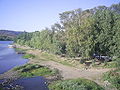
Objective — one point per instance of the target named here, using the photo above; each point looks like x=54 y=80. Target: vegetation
x=80 y=33
x=5 y=38
x=7 y=35
x=113 y=77
x=27 y=56
x=75 y=84
x=20 y=50
x=30 y=70
x=52 y=57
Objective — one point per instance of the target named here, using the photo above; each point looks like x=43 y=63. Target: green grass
x=27 y=56
x=20 y=50
x=44 y=56
x=52 y=57
x=112 y=64
x=113 y=77
x=75 y=84
x=30 y=70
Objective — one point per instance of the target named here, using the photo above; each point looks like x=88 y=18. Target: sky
x=35 y=15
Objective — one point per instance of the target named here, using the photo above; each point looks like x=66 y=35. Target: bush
x=75 y=84
x=113 y=77
x=112 y=64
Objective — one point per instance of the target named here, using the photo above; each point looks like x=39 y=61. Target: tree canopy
x=80 y=33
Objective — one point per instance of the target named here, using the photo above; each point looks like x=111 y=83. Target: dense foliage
x=75 y=84
x=80 y=33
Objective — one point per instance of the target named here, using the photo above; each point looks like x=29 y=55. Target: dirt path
x=68 y=72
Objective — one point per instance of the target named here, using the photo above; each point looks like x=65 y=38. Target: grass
x=30 y=70
x=52 y=57
x=112 y=64
x=75 y=84
x=20 y=50
x=28 y=56
x=44 y=56
x=113 y=77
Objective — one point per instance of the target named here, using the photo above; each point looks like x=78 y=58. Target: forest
x=80 y=33
x=8 y=35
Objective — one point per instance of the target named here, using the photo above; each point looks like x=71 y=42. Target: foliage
x=5 y=38
x=52 y=57
x=111 y=64
x=80 y=33
x=113 y=77
x=20 y=50
x=30 y=70
x=27 y=56
x=75 y=84
x=7 y=35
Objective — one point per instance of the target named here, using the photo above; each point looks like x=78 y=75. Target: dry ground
x=69 y=72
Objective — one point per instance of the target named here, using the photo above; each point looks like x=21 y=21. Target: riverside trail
x=68 y=72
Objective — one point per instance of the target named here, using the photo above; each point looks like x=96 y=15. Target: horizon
x=35 y=15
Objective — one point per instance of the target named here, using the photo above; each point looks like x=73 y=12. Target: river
x=9 y=59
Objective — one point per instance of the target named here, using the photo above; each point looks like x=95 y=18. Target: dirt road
x=68 y=72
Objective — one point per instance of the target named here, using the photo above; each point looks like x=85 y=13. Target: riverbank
x=8 y=78
x=68 y=69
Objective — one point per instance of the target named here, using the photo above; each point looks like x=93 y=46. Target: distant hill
x=8 y=34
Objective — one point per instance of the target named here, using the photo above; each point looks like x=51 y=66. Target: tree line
x=8 y=35
x=80 y=33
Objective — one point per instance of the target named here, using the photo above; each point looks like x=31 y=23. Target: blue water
x=8 y=57
x=34 y=83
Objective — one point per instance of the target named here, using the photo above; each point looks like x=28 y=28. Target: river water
x=9 y=59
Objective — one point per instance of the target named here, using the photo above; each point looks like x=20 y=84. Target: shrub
x=75 y=84
x=112 y=64
x=113 y=77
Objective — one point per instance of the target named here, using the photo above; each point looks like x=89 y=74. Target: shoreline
x=8 y=77
x=65 y=71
